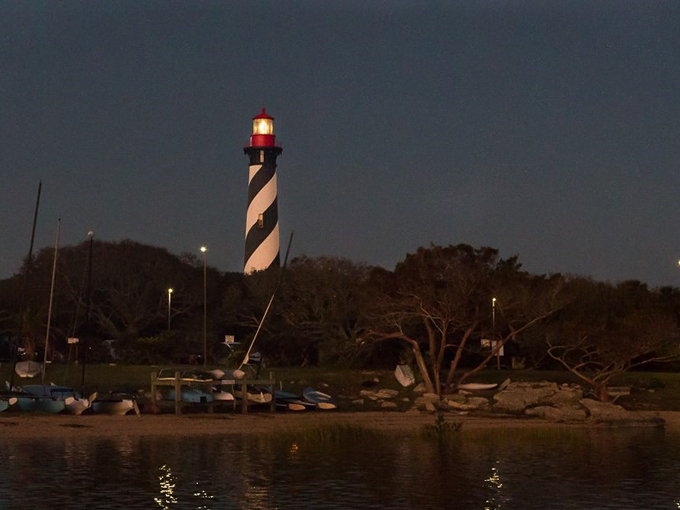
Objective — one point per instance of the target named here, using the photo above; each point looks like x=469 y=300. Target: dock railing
x=177 y=383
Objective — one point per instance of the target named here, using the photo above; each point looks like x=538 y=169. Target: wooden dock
x=177 y=383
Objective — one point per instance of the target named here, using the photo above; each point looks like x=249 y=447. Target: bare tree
x=437 y=302
x=609 y=330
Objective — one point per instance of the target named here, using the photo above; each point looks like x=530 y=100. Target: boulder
x=573 y=413
x=517 y=397
x=565 y=395
x=388 y=405
x=420 y=388
x=606 y=413
x=461 y=397
x=478 y=402
x=431 y=397
x=372 y=395
x=387 y=393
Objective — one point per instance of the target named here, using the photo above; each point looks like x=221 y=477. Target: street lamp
x=169 y=306
x=493 y=333
x=205 y=305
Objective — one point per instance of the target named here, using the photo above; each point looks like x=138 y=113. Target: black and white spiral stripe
x=262 y=219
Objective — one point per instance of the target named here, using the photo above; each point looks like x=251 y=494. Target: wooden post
x=178 y=394
x=244 y=398
x=154 y=398
x=272 y=406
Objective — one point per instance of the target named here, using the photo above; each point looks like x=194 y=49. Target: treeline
x=448 y=311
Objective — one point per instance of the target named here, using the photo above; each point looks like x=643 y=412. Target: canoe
x=255 y=395
x=320 y=399
x=27 y=368
x=117 y=406
x=477 y=386
x=7 y=402
x=49 y=405
x=191 y=396
x=292 y=402
x=73 y=402
x=221 y=393
x=404 y=375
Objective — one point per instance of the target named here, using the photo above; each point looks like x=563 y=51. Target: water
x=545 y=469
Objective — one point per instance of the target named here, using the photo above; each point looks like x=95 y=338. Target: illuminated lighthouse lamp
x=263 y=131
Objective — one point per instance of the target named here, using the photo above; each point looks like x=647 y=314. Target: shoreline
x=27 y=426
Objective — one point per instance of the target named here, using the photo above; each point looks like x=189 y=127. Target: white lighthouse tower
x=262 y=217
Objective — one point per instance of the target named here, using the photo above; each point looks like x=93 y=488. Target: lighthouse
x=262 y=217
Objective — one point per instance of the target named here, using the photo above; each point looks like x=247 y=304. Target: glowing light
x=166 y=480
x=204 y=249
x=170 y=291
x=263 y=127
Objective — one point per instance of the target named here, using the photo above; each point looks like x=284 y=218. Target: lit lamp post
x=169 y=306
x=493 y=333
x=205 y=305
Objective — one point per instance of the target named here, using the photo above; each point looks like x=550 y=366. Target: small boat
x=191 y=396
x=51 y=405
x=221 y=393
x=404 y=375
x=74 y=403
x=477 y=386
x=255 y=395
x=228 y=374
x=27 y=368
x=113 y=405
x=291 y=402
x=6 y=403
x=320 y=399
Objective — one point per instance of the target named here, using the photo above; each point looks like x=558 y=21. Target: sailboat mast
x=24 y=286
x=49 y=309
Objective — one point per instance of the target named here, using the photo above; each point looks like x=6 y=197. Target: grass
x=331 y=433
x=650 y=390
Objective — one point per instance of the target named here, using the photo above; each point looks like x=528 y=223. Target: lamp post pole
x=205 y=305
x=493 y=333
x=169 y=306
x=88 y=321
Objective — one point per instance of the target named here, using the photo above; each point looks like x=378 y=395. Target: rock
x=559 y=414
x=607 y=413
x=429 y=406
x=618 y=391
x=478 y=402
x=458 y=406
x=565 y=396
x=388 y=405
x=387 y=393
x=373 y=395
x=405 y=399
x=504 y=384
x=456 y=397
x=516 y=397
x=358 y=402
x=420 y=388
x=431 y=397
x=472 y=404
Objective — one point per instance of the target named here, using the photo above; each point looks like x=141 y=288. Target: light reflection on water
x=564 y=469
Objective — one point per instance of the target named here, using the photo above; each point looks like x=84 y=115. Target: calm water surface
x=548 y=469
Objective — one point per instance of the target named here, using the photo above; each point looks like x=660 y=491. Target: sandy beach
x=36 y=426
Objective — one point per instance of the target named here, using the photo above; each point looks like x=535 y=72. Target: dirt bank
x=35 y=426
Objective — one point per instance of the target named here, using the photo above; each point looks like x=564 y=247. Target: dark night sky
x=547 y=129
